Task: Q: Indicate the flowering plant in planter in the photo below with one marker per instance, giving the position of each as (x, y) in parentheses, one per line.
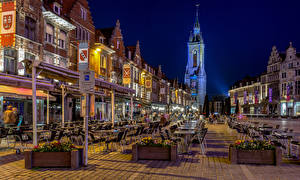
(55, 146)
(253, 145)
(149, 141)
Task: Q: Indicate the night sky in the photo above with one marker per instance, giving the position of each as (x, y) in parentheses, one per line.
(239, 35)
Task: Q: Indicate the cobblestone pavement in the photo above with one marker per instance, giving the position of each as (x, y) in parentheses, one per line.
(213, 165)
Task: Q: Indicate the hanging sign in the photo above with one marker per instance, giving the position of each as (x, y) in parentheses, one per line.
(8, 23)
(83, 56)
(270, 95)
(126, 74)
(245, 97)
(235, 97)
(256, 97)
(288, 97)
(148, 82)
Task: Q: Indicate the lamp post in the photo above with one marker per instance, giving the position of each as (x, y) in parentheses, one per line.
(35, 64)
(63, 105)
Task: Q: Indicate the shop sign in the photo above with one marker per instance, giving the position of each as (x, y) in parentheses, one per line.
(148, 82)
(126, 74)
(83, 56)
(87, 81)
(8, 25)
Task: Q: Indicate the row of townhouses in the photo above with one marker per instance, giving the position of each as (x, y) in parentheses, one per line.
(275, 92)
(49, 32)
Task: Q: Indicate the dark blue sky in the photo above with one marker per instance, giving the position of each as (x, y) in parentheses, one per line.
(238, 34)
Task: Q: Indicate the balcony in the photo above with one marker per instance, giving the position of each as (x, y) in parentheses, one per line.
(50, 16)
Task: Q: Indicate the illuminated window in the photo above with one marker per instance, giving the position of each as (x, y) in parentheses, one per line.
(194, 58)
(118, 44)
(103, 61)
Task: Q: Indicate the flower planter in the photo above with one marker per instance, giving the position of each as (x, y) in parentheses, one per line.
(154, 153)
(266, 157)
(54, 159)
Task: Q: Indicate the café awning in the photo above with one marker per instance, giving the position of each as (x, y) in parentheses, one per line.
(9, 91)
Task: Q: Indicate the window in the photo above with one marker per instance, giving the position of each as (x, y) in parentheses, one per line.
(56, 61)
(79, 33)
(49, 36)
(118, 44)
(83, 13)
(103, 61)
(83, 35)
(129, 54)
(297, 87)
(283, 75)
(290, 65)
(10, 61)
(30, 28)
(62, 39)
(297, 72)
(56, 8)
(29, 56)
(195, 58)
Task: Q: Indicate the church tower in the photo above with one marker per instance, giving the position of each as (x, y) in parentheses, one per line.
(195, 76)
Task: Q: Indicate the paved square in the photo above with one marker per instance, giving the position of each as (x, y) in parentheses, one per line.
(214, 165)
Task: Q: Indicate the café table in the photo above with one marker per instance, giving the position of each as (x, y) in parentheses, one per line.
(187, 136)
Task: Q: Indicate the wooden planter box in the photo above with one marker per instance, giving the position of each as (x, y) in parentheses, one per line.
(72, 159)
(266, 157)
(154, 153)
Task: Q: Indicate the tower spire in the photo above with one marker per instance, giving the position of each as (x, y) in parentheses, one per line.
(197, 24)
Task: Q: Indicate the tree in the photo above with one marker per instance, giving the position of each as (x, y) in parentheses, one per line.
(222, 108)
(227, 106)
(213, 107)
(237, 108)
(206, 106)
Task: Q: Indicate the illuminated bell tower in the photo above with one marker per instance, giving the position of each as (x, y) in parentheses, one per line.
(195, 75)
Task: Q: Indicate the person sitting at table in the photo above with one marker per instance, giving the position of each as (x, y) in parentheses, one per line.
(163, 121)
(9, 117)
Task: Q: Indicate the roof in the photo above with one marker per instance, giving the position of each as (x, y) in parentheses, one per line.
(131, 49)
(107, 33)
(244, 81)
(67, 6)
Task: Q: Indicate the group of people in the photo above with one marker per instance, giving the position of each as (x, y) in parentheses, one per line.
(10, 116)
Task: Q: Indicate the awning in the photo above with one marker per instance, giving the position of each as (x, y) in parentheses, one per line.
(21, 92)
(55, 72)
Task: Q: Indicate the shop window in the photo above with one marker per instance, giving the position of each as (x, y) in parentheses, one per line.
(283, 109)
(30, 28)
(49, 36)
(62, 39)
